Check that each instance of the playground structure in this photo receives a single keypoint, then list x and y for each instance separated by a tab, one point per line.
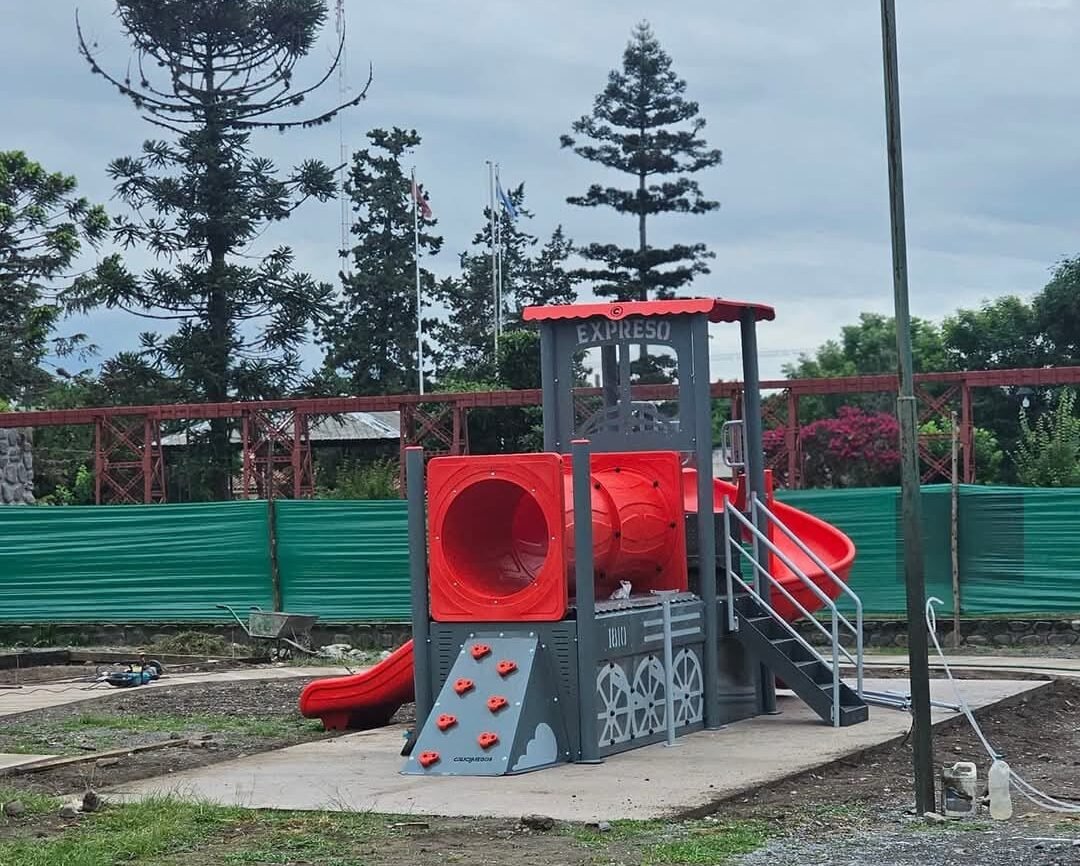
608	593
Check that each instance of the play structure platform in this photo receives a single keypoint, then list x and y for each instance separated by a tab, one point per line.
608	592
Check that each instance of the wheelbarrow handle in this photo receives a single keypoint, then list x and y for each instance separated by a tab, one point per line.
239	621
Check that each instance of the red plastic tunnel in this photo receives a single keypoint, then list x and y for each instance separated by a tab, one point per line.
502	529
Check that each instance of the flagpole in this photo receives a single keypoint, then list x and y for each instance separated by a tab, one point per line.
494	278
498	244
419	301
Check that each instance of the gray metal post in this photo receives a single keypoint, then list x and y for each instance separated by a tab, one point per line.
755	464
418	583
585	601
706	521
548	381
669	666
609	366
914	566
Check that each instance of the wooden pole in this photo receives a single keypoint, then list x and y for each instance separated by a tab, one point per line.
954	532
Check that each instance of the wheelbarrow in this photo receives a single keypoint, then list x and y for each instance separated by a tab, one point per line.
288	631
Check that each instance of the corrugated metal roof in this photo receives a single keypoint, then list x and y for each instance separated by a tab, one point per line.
350	427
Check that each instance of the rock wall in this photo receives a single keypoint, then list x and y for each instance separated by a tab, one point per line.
982	633
16	467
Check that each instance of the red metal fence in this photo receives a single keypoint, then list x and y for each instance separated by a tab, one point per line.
276	446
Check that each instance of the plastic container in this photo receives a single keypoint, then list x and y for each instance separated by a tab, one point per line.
959	790
1000	799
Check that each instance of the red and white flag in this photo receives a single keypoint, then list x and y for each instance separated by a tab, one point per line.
421	201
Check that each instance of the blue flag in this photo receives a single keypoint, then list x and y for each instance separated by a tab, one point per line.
508	205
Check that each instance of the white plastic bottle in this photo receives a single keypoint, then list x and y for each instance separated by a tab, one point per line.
1000	799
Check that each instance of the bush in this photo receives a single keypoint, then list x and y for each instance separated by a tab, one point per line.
1048	454
377	480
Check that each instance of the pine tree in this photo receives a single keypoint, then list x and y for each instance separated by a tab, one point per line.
43	224
209	73
370	337
642	124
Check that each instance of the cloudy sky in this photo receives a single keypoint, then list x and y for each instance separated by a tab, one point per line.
793	95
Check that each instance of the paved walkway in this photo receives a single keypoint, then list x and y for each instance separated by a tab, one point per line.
1055	667
360	772
38	696
11	759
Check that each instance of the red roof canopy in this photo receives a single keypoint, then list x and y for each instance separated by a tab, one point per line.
717	309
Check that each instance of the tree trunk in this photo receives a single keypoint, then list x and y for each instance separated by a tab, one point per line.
643	291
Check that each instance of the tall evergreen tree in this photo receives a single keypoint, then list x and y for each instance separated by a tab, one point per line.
466	337
643	125
43	225
370	336
209	73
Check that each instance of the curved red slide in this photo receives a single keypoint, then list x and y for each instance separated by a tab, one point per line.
370	698
364	700
831	546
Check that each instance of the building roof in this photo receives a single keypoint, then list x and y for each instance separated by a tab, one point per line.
717	309
349	427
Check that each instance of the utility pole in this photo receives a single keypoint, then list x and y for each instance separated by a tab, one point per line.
907	411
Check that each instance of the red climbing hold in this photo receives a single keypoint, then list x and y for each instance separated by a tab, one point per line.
480	650
506	667
426	759
487	739
445	721
463	685
496	703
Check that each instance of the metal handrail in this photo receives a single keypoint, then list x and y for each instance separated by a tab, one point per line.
836	617
732	449
757	504
764	572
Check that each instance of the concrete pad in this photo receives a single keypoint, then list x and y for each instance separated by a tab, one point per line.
38	696
360	771
1041	665
10	759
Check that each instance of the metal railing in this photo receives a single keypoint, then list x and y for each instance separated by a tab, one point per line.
760	513
733	444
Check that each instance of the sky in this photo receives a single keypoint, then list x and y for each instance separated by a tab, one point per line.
792	91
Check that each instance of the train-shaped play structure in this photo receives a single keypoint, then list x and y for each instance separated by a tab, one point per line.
609	592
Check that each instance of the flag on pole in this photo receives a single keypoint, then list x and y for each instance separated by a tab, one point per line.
507	204
421	200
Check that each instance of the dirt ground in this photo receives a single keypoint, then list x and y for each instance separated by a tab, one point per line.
854	812
243	718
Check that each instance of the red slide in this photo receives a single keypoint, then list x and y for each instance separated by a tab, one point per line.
364	700
831	546
369	699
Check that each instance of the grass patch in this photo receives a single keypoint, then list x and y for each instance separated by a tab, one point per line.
304	837
129	834
36	804
662	842
190	643
711	843
209	722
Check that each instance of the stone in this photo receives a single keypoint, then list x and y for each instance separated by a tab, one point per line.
1063	639
1019	625
28	460
900	639
603	826
69	810
1003	639
1031	640
934	818
14	809
1044	627
538	822
1075	625
91	802
106	762
11	476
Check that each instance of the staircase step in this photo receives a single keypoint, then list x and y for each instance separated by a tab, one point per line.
792	649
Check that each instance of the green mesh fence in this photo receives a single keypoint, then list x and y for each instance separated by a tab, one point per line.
348	561
344	560
132	563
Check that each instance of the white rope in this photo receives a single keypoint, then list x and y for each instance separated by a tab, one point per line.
1039	798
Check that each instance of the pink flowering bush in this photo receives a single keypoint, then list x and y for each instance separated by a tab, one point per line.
854	449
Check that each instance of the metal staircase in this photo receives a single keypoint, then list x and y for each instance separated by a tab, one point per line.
813	676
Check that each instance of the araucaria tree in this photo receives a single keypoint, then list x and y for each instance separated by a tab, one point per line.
643	125
43	224
208	73
370	335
